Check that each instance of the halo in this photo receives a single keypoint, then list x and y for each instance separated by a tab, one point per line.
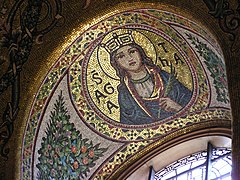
103	56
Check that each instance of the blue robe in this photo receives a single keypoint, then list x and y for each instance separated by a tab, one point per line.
135	110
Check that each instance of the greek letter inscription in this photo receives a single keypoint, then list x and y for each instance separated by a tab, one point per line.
166	62
107	89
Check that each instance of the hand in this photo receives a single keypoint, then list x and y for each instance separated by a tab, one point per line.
169	105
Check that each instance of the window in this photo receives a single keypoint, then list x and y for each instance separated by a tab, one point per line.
193	167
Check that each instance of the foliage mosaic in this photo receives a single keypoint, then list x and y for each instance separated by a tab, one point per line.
64	153
215	66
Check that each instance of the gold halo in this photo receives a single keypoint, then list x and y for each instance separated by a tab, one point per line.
139	38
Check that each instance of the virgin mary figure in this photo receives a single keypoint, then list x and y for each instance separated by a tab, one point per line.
146	93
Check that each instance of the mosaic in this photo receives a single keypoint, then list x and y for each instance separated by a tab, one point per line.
129	79
130	87
64	153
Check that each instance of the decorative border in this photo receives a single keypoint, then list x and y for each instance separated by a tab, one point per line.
136	160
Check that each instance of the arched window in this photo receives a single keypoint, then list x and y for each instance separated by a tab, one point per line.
193	167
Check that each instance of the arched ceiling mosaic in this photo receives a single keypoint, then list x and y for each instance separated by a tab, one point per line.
99	88
125	82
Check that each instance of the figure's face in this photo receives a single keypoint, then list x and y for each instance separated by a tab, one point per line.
128	58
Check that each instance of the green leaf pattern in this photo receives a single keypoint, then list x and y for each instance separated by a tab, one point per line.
216	67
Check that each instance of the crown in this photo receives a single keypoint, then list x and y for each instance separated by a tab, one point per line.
118	41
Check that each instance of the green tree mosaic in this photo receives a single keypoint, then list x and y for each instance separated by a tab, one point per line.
64	153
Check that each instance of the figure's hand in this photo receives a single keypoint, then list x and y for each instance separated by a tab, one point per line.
169	105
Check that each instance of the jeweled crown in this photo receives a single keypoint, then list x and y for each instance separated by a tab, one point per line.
118	41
